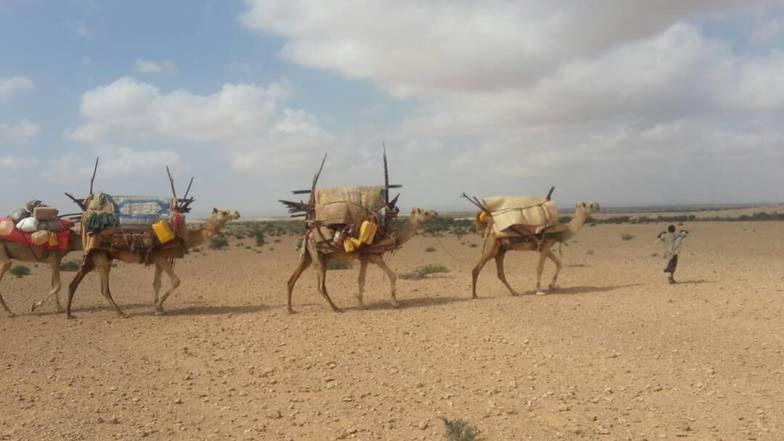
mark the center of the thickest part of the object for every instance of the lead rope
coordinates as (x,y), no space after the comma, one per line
(438,239)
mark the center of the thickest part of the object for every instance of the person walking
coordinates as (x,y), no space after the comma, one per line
(672,240)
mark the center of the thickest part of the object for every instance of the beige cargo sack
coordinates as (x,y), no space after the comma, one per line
(348,205)
(532,214)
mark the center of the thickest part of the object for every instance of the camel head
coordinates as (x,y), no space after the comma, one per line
(421,216)
(224,215)
(588,208)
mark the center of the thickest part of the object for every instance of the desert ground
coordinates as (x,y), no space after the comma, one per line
(615,354)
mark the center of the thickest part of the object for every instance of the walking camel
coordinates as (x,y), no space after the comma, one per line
(163,258)
(311,254)
(496,248)
(10,251)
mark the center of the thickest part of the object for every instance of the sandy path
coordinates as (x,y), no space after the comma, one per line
(616,354)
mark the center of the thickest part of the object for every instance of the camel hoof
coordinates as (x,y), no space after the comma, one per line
(337,310)
(515,294)
(553,288)
(395,304)
(541,293)
(70,316)
(291,311)
(474,297)
(35,305)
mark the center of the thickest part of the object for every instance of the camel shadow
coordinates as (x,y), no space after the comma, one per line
(193,310)
(572,290)
(196,310)
(95,308)
(420,302)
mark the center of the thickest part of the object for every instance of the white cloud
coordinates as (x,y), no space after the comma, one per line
(14,163)
(115,162)
(22,131)
(154,67)
(247,125)
(625,99)
(82,30)
(411,46)
(12,85)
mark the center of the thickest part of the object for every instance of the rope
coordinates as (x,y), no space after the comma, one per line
(438,239)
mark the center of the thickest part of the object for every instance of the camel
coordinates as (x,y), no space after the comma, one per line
(310,254)
(28,253)
(496,248)
(100,260)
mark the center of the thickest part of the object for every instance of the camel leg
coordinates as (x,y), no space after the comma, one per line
(489,250)
(103,265)
(156,284)
(363,266)
(54,265)
(499,265)
(304,263)
(165,266)
(322,282)
(558,265)
(379,261)
(4,267)
(539,271)
(87,266)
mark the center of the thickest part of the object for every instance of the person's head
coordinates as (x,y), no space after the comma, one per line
(671,229)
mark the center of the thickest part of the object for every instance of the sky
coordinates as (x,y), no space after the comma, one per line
(628,103)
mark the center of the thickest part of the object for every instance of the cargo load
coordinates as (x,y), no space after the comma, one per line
(348,205)
(40,238)
(141,210)
(347,219)
(28,225)
(52,240)
(6,227)
(133,223)
(51,225)
(531,214)
(19,214)
(42,213)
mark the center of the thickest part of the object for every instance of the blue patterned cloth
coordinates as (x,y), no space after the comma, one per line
(141,210)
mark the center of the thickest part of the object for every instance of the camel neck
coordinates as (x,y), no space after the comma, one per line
(409,230)
(577,222)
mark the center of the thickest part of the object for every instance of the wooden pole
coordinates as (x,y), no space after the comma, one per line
(95,170)
(171,182)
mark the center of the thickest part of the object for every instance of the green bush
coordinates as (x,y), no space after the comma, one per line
(20,271)
(337,264)
(70,265)
(424,271)
(459,430)
(258,234)
(218,242)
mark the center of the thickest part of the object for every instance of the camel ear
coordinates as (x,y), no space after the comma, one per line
(214,211)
